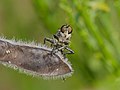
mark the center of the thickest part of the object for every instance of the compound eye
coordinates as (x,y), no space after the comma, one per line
(69,30)
(63,28)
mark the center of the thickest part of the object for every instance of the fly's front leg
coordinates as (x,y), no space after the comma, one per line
(49,40)
(55,50)
(70,51)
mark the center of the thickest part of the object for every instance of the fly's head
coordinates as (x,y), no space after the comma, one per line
(64,34)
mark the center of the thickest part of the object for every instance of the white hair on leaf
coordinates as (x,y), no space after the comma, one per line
(33,59)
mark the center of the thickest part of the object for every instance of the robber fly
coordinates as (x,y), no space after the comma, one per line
(60,41)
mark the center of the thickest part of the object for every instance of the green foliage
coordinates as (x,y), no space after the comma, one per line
(96,50)
(95,38)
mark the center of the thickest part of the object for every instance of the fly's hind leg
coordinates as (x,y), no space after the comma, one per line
(70,51)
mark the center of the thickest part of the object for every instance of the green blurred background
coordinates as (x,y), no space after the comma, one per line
(95,40)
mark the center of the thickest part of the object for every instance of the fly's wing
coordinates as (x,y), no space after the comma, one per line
(34,60)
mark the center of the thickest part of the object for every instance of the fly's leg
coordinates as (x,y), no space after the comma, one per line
(53,51)
(70,51)
(57,49)
(52,44)
(49,40)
